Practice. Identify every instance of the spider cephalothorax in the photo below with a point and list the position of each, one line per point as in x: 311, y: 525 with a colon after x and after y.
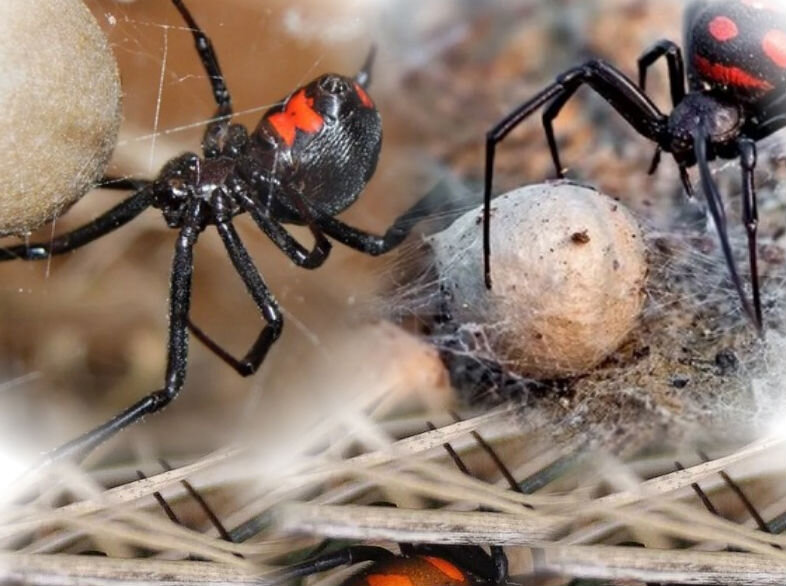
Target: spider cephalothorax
x: 737, y: 86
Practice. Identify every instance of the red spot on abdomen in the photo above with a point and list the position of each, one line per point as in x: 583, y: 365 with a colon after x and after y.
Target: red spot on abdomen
x: 388, y: 580
x: 729, y: 75
x: 722, y: 28
x: 298, y: 114
x: 774, y: 45
x: 446, y: 568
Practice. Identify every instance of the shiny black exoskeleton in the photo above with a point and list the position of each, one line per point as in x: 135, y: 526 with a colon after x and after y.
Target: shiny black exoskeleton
x: 737, y: 89
x: 308, y: 159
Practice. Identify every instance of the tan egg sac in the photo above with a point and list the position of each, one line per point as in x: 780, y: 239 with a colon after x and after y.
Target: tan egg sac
x: 59, y: 109
x: 568, y: 271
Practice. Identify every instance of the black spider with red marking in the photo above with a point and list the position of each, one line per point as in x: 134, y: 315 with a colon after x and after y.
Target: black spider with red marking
x: 307, y: 160
x: 737, y: 88
x: 423, y: 564
x: 417, y: 565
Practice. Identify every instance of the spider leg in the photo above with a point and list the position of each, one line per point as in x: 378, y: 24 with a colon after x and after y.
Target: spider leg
x: 549, y: 114
x: 686, y: 182
x: 607, y: 81
x: 236, y: 141
x: 207, y: 55
x: 705, y: 500
x: 177, y: 351
x: 203, y: 504
x: 168, y: 511
x: 746, y: 502
x: 750, y: 217
x: 363, y: 77
x: 263, y: 298
x: 715, y: 205
x: 493, y: 568
x: 499, y: 562
x: 263, y: 186
x: 344, y: 557
x: 766, y: 128
x: 109, y: 221
x: 676, y: 65
x: 493, y: 137
x: 273, y: 229
x: 374, y: 244
x: 655, y: 160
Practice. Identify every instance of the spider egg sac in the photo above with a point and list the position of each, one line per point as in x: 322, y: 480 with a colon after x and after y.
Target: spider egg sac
x: 59, y: 109
x: 568, y: 267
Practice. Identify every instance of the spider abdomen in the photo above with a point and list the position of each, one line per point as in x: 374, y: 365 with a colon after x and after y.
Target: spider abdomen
x: 324, y: 142
x: 418, y: 570
x: 737, y: 47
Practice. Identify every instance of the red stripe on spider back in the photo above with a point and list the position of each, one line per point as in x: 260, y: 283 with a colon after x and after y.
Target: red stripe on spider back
x: 729, y: 75
x: 774, y: 45
x: 388, y: 580
x: 722, y: 28
x: 364, y: 98
x: 446, y: 568
x: 298, y: 114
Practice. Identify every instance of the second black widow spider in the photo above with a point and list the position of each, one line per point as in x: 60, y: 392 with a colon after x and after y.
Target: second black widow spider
x: 419, y: 564
x: 308, y: 159
x: 737, y: 79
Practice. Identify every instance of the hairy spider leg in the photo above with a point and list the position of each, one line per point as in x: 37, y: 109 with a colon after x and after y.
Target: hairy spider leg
x: 609, y: 83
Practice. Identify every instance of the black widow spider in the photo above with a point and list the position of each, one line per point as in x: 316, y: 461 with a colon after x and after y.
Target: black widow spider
x: 737, y: 76
x: 308, y: 159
